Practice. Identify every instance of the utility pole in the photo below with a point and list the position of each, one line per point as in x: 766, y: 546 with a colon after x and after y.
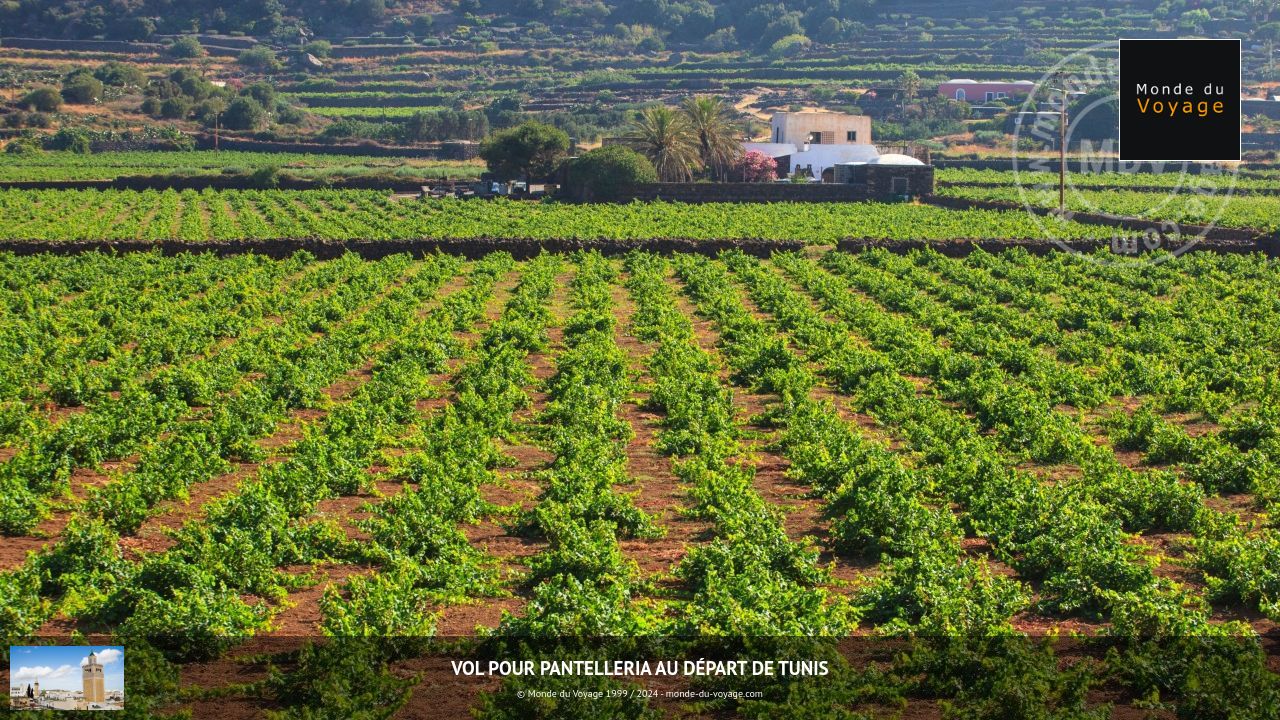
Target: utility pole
x: 1062, y: 143
x: 217, y: 116
x: 1062, y: 157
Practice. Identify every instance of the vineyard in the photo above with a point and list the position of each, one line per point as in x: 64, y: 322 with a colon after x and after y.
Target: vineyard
x: 1210, y: 203
x: 296, y: 485
x: 62, y: 166
x: 204, y: 216
x: 294, y: 431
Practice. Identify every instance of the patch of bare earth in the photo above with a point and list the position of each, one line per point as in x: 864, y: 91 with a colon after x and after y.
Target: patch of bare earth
x: 1243, y: 505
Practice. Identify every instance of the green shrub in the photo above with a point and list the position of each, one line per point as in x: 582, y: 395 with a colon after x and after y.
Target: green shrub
x: 265, y: 177
x: 244, y: 113
x: 344, y: 679
x: 43, y: 99
x: 175, y: 108
x: 319, y: 48
x: 82, y: 90
x: 120, y: 74
x: 788, y: 46
x: 73, y: 140
x: 186, y: 47
x: 261, y: 58
x: 528, y: 151
x: 605, y: 173
x: 263, y: 92
x: 382, y: 605
x: 23, y: 146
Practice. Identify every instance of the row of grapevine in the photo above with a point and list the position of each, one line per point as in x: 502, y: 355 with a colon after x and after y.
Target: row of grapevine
x: 880, y: 508
x: 926, y: 586
x: 581, y: 586
x: 1204, y: 352
x: 79, y: 352
x: 92, y: 215
x: 415, y: 552
x: 751, y: 579
x: 64, y: 166
x: 986, y: 456
x: 1242, y: 457
x: 1210, y: 205
x: 1171, y: 337
x: 424, y: 558
x: 1084, y: 564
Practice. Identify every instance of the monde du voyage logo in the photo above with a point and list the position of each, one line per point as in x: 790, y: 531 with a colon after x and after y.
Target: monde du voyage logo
x: 1180, y: 100
x: 1178, y: 107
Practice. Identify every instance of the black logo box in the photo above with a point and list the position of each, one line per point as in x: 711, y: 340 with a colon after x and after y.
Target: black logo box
x: 1186, y: 68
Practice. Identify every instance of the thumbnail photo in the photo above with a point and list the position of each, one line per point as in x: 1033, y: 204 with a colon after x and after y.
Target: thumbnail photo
x: 66, y: 677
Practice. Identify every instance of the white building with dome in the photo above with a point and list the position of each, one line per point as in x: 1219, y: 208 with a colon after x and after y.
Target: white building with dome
x: 888, y: 175
x: 810, y: 141
x: 818, y: 145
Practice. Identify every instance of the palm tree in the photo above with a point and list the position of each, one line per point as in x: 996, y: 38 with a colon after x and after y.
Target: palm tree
x: 664, y: 136
x: 714, y: 132
x: 908, y: 86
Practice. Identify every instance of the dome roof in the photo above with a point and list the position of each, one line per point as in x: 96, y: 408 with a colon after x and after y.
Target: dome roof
x: 894, y: 159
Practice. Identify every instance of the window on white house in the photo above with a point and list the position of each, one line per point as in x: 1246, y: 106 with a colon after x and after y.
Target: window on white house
x: 851, y: 135
x: 815, y: 138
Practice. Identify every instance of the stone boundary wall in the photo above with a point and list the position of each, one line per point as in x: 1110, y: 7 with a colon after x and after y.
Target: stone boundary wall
x: 526, y: 248
x: 107, y: 46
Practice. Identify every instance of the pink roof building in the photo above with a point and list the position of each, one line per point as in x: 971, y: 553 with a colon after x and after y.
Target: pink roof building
x: 975, y: 91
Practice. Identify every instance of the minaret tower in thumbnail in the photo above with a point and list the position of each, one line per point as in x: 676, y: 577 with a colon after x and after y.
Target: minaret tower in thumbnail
x: 93, y: 680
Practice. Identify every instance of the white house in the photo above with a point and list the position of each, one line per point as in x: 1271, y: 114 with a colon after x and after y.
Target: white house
x: 816, y: 141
